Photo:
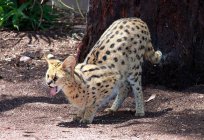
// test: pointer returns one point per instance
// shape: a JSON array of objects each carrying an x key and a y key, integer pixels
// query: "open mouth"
[{"x": 54, "y": 90}]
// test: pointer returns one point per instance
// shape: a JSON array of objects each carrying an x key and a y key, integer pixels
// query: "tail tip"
[{"x": 159, "y": 56}]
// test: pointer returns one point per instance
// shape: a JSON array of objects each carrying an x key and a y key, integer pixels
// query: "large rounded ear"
[{"x": 69, "y": 64}]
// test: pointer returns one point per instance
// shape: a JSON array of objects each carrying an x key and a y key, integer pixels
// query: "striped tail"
[{"x": 152, "y": 55}]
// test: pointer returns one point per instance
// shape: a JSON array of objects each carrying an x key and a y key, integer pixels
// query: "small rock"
[
  {"x": 24, "y": 59},
  {"x": 8, "y": 59},
  {"x": 31, "y": 45},
  {"x": 152, "y": 97},
  {"x": 183, "y": 129},
  {"x": 200, "y": 96}
]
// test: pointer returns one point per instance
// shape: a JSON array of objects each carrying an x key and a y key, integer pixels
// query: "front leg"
[
  {"x": 79, "y": 115},
  {"x": 89, "y": 114}
]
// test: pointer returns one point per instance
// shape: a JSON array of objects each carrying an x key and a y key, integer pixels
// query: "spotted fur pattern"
[{"x": 112, "y": 68}]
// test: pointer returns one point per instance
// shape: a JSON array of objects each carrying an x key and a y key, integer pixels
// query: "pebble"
[{"x": 24, "y": 58}]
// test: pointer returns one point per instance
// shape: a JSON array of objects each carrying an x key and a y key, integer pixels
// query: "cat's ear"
[
  {"x": 48, "y": 57},
  {"x": 69, "y": 64},
  {"x": 51, "y": 60}
]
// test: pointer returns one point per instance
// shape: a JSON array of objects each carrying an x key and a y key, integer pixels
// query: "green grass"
[{"x": 30, "y": 15}]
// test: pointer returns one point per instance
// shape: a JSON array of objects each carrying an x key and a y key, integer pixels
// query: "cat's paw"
[
  {"x": 76, "y": 118},
  {"x": 139, "y": 114},
  {"x": 85, "y": 121},
  {"x": 109, "y": 110}
]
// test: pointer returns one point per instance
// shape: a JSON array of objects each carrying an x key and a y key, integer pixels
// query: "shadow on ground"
[
  {"x": 9, "y": 104},
  {"x": 115, "y": 118}
]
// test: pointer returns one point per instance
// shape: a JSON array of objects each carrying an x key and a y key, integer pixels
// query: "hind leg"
[
  {"x": 122, "y": 94},
  {"x": 135, "y": 82}
]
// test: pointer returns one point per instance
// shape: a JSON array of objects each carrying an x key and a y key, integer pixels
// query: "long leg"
[
  {"x": 135, "y": 82},
  {"x": 121, "y": 96}
]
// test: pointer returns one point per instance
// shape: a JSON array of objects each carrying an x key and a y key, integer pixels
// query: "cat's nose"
[{"x": 48, "y": 83}]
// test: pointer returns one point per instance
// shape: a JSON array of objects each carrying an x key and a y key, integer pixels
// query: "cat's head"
[{"x": 58, "y": 73}]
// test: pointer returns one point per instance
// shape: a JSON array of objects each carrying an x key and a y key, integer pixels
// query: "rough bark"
[{"x": 177, "y": 29}]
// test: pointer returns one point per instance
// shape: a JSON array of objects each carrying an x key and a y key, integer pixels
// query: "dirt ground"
[{"x": 28, "y": 112}]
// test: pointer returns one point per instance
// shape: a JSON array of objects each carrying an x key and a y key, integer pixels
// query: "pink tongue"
[{"x": 53, "y": 91}]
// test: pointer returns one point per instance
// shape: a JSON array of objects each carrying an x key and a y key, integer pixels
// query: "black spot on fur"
[
  {"x": 98, "y": 84},
  {"x": 97, "y": 53},
  {"x": 112, "y": 36},
  {"x": 112, "y": 45},
  {"x": 104, "y": 57},
  {"x": 103, "y": 67},
  {"x": 119, "y": 40},
  {"x": 123, "y": 62},
  {"x": 128, "y": 26},
  {"x": 102, "y": 47},
  {"x": 123, "y": 44},
  {"x": 91, "y": 70},
  {"x": 124, "y": 22},
  {"x": 127, "y": 31},
  {"x": 135, "y": 42},
  {"x": 121, "y": 27},
  {"x": 149, "y": 49},
  {"x": 142, "y": 47},
  {"x": 93, "y": 76},
  {"x": 107, "y": 52},
  {"x": 109, "y": 67},
  {"x": 83, "y": 65},
  {"x": 112, "y": 65},
  {"x": 115, "y": 59},
  {"x": 138, "y": 57}
]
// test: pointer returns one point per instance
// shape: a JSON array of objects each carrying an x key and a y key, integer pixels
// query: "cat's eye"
[{"x": 55, "y": 78}]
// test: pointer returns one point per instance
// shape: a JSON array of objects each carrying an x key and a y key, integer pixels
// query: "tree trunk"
[{"x": 176, "y": 27}]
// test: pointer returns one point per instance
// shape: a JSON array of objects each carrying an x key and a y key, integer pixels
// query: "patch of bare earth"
[{"x": 27, "y": 111}]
